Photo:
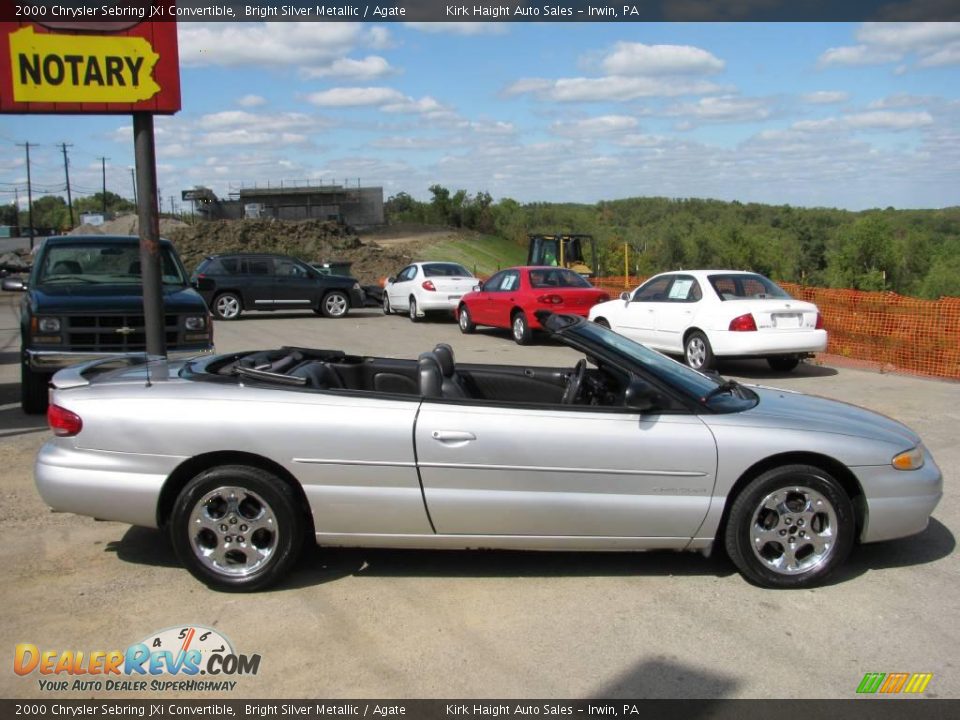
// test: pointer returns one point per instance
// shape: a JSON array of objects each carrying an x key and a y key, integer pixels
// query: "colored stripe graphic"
[
  {"x": 871, "y": 682},
  {"x": 893, "y": 683},
  {"x": 918, "y": 682}
]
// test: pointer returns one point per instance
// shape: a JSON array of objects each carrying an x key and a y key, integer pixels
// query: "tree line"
[
  {"x": 911, "y": 252},
  {"x": 51, "y": 214}
]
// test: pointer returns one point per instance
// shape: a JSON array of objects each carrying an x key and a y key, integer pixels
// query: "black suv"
[
  {"x": 236, "y": 282},
  {"x": 84, "y": 301}
]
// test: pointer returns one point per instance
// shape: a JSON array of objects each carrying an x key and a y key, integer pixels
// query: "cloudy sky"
[{"x": 840, "y": 115}]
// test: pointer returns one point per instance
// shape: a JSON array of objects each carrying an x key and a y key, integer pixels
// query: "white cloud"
[
  {"x": 871, "y": 120},
  {"x": 857, "y": 55},
  {"x": 594, "y": 126},
  {"x": 356, "y": 97},
  {"x": 235, "y": 119},
  {"x": 725, "y": 108},
  {"x": 826, "y": 97},
  {"x": 900, "y": 100},
  {"x": 460, "y": 28},
  {"x": 249, "y": 101},
  {"x": 933, "y": 44},
  {"x": 370, "y": 67},
  {"x": 639, "y": 59},
  {"x": 613, "y": 88}
]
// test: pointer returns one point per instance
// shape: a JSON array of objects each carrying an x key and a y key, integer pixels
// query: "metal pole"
[
  {"x": 66, "y": 171},
  {"x": 133, "y": 181},
  {"x": 103, "y": 172},
  {"x": 147, "y": 212},
  {"x": 29, "y": 197}
]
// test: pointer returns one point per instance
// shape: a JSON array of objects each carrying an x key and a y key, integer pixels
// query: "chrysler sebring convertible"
[{"x": 241, "y": 457}]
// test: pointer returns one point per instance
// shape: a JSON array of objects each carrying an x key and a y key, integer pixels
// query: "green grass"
[{"x": 482, "y": 254}]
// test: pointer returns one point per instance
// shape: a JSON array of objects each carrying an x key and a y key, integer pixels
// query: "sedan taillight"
[
  {"x": 819, "y": 321},
  {"x": 550, "y": 300},
  {"x": 744, "y": 323},
  {"x": 63, "y": 422},
  {"x": 428, "y": 285}
]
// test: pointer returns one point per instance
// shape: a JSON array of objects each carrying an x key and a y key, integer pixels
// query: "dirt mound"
[
  {"x": 127, "y": 224},
  {"x": 309, "y": 240}
]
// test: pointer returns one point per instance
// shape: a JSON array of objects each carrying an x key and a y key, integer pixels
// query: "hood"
[
  {"x": 795, "y": 411},
  {"x": 126, "y": 298}
]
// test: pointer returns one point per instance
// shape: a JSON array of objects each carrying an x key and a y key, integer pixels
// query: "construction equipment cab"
[{"x": 564, "y": 250}]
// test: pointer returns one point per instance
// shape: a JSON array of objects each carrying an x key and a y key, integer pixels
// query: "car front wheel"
[
  {"x": 697, "y": 351},
  {"x": 335, "y": 304},
  {"x": 237, "y": 528},
  {"x": 791, "y": 527},
  {"x": 387, "y": 310},
  {"x": 467, "y": 325},
  {"x": 227, "y": 306}
]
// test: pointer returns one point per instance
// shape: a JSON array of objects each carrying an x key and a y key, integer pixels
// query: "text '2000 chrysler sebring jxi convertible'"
[{"x": 242, "y": 456}]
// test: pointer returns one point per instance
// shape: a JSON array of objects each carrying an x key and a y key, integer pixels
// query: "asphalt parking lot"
[{"x": 374, "y": 623}]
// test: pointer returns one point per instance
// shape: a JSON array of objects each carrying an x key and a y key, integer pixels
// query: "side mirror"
[
  {"x": 14, "y": 284},
  {"x": 625, "y": 296},
  {"x": 391, "y": 279},
  {"x": 478, "y": 287},
  {"x": 641, "y": 396},
  {"x": 204, "y": 284}
]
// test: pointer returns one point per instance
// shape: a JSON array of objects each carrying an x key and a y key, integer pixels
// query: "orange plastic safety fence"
[{"x": 918, "y": 336}]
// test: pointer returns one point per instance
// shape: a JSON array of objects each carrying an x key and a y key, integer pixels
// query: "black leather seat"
[
  {"x": 319, "y": 375},
  {"x": 451, "y": 384},
  {"x": 429, "y": 376},
  {"x": 67, "y": 267}
]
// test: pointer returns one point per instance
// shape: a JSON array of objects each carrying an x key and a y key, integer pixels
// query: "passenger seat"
[{"x": 452, "y": 384}]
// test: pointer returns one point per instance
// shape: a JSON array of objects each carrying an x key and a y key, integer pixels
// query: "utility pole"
[
  {"x": 29, "y": 194},
  {"x": 133, "y": 181},
  {"x": 172, "y": 210},
  {"x": 149, "y": 220},
  {"x": 66, "y": 171},
  {"x": 103, "y": 174},
  {"x": 16, "y": 202}
]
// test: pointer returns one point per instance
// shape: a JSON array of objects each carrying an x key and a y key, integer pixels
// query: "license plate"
[
  {"x": 454, "y": 297},
  {"x": 786, "y": 320}
]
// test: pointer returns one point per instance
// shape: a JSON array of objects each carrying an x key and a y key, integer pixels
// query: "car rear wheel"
[
  {"x": 237, "y": 528},
  {"x": 790, "y": 528},
  {"x": 33, "y": 390},
  {"x": 697, "y": 351},
  {"x": 783, "y": 363},
  {"x": 520, "y": 327},
  {"x": 335, "y": 304},
  {"x": 412, "y": 308},
  {"x": 227, "y": 306},
  {"x": 467, "y": 325}
]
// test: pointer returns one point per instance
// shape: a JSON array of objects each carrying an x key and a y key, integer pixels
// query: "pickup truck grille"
[{"x": 115, "y": 332}]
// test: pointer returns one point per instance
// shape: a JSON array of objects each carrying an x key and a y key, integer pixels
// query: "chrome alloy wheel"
[
  {"x": 519, "y": 327},
  {"x": 696, "y": 352},
  {"x": 335, "y": 305},
  {"x": 464, "y": 319},
  {"x": 793, "y": 530},
  {"x": 228, "y": 306},
  {"x": 233, "y": 531}
]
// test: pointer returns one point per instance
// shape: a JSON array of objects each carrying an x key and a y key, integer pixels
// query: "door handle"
[{"x": 453, "y": 436}]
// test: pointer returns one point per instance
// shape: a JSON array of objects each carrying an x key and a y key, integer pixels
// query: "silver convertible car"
[{"x": 240, "y": 457}]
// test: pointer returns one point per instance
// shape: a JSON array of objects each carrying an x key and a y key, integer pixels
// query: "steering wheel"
[{"x": 575, "y": 382}]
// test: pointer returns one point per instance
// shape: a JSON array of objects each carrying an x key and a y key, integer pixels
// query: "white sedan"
[
  {"x": 706, "y": 314},
  {"x": 424, "y": 287}
]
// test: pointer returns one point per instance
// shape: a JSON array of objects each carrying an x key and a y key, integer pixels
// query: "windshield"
[
  {"x": 445, "y": 270},
  {"x": 109, "y": 263},
  {"x": 710, "y": 391},
  {"x": 746, "y": 286}
]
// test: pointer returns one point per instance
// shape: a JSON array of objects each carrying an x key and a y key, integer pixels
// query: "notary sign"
[{"x": 89, "y": 68}]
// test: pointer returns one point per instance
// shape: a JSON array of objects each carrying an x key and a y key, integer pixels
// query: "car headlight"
[
  {"x": 195, "y": 322},
  {"x": 48, "y": 325},
  {"x": 909, "y": 459}
]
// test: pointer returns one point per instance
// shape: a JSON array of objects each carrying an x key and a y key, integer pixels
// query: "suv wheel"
[
  {"x": 227, "y": 306},
  {"x": 33, "y": 390},
  {"x": 335, "y": 304}
]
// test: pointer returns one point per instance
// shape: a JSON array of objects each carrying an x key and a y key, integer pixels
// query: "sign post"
[{"x": 103, "y": 68}]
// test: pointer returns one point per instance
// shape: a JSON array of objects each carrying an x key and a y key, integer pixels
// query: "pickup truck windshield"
[{"x": 102, "y": 264}]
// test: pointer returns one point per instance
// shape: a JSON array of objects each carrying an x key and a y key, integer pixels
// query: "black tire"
[
  {"x": 335, "y": 304},
  {"x": 33, "y": 390},
  {"x": 227, "y": 306},
  {"x": 412, "y": 310},
  {"x": 783, "y": 363},
  {"x": 467, "y": 326},
  {"x": 281, "y": 539},
  {"x": 697, "y": 352},
  {"x": 811, "y": 507},
  {"x": 387, "y": 310},
  {"x": 520, "y": 328}
]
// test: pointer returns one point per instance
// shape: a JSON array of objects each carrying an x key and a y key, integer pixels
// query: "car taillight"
[
  {"x": 603, "y": 298},
  {"x": 549, "y": 299},
  {"x": 819, "y": 321},
  {"x": 63, "y": 422},
  {"x": 428, "y": 285},
  {"x": 744, "y": 323}
]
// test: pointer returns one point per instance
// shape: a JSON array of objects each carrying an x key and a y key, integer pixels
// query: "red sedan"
[{"x": 510, "y": 298}]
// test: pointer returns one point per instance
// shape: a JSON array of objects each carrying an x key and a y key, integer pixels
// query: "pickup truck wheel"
[
  {"x": 335, "y": 304},
  {"x": 33, "y": 390},
  {"x": 227, "y": 306},
  {"x": 237, "y": 528}
]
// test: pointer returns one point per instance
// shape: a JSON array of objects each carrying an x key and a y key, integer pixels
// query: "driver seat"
[{"x": 451, "y": 384}]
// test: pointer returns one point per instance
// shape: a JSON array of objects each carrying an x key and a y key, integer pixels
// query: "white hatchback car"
[
  {"x": 706, "y": 314},
  {"x": 424, "y": 287}
]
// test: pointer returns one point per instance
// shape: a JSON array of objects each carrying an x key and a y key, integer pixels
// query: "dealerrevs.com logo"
[{"x": 185, "y": 658}]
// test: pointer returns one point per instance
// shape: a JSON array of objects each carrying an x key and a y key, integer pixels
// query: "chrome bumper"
[{"x": 53, "y": 360}]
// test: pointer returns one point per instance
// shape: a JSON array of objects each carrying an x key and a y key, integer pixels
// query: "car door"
[
  {"x": 257, "y": 283},
  {"x": 480, "y": 302},
  {"x": 491, "y": 469},
  {"x": 675, "y": 314},
  {"x": 294, "y": 284},
  {"x": 502, "y": 299},
  {"x": 638, "y": 320},
  {"x": 400, "y": 289}
]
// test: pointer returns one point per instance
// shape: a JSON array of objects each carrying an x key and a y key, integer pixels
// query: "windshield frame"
[{"x": 41, "y": 275}]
